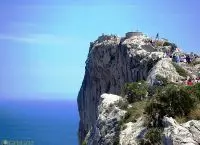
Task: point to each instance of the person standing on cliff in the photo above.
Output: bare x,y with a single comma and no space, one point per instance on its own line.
188,59
157,36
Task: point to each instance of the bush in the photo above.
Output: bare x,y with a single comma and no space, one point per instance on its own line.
84,143
177,100
180,70
195,113
135,91
181,119
158,43
163,80
180,102
166,43
134,112
196,91
123,104
153,90
152,137
173,101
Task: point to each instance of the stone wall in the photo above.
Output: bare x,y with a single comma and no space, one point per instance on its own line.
131,34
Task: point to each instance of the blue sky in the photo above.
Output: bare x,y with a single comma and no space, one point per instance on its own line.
44,44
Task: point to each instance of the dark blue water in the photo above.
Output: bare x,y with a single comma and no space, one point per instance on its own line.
44,122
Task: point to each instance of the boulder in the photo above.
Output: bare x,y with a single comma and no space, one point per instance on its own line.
181,134
133,132
165,69
106,129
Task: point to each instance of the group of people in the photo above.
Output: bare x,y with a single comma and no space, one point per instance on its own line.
176,57
174,52
191,81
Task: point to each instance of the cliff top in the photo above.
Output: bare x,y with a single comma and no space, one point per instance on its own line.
132,39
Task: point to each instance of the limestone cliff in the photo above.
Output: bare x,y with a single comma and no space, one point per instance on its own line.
106,128
113,61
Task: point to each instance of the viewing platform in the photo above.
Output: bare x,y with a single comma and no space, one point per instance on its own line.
132,34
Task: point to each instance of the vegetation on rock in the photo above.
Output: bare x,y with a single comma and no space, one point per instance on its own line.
177,101
163,80
84,143
122,104
152,137
135,91
173,101
134,112
180,70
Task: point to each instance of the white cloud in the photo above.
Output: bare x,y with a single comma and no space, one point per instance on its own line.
37,38
16,38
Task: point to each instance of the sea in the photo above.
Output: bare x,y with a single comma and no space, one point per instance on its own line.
38,122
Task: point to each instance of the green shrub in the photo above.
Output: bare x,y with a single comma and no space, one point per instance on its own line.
180,102
153,90
172,100
180,70
177,100
166,43
195,113
181,119
195,91
134,112
152,137
123,104
163,80
158,43
135,91
84,143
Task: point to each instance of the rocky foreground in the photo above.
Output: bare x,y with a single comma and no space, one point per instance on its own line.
105,129
113,61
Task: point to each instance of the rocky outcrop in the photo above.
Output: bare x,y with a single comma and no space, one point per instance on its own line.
181,134
112,61
106,129
165,69
133,132
191,70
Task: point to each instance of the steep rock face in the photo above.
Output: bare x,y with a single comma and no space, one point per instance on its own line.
181,134
111,62
106,127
